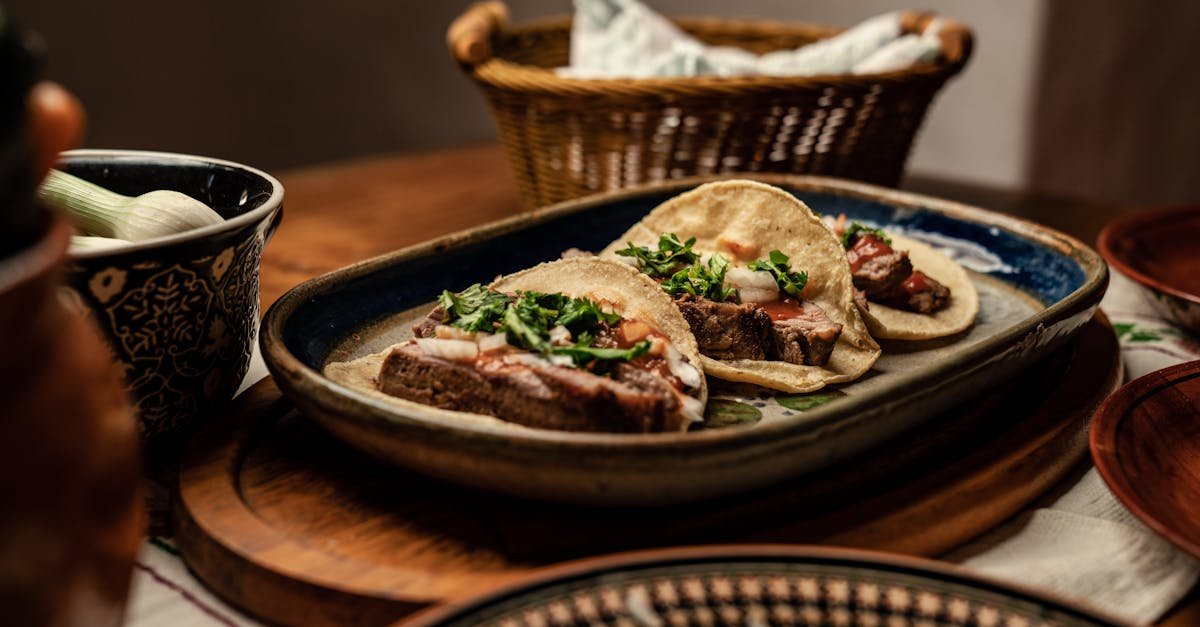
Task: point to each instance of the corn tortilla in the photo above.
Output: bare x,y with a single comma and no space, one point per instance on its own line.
897,324
630,293
745,221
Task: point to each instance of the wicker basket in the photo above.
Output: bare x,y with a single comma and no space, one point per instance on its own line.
570,137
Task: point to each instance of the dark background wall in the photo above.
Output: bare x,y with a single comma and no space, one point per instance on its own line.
1079,97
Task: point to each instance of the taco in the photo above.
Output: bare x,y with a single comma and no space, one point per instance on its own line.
911,291
762,281
577,344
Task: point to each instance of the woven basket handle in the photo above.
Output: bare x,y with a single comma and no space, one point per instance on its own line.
470,34
957,40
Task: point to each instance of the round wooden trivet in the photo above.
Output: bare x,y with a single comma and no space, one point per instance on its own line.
289,524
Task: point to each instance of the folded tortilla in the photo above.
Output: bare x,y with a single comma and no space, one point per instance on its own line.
619,286
745,221
897,324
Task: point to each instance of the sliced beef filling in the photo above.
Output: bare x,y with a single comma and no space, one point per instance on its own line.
921,294
806,339
533,394
886,276
427,326
796,333
727,330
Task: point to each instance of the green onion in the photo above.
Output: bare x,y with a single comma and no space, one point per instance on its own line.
98,211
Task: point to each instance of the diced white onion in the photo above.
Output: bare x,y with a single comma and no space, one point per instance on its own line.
753,286
658,346
687,373
691,408
561,360
525,358
560,336
447,332
755,295
629,260
489,342
454,350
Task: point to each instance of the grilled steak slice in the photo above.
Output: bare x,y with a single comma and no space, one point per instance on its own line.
807,339
922,294
529,393
727,330
427,325
878,270
886,276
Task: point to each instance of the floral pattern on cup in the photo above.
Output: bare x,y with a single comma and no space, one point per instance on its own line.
183,329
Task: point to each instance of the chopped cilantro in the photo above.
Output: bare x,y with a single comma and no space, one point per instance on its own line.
671,257
474,309
789,282
581,315
527,319
707,280
583,354
857,229
528,324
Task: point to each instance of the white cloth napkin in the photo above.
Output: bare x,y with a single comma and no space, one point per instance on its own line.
626,39
1084,544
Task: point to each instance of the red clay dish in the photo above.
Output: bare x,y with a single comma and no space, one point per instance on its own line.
1158,250
1145,441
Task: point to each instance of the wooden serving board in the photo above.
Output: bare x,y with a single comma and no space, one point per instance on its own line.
289,524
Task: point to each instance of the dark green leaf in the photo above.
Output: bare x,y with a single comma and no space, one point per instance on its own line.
580,315
672,255
707,280
855,230
789,282
805,402
583,354
726,413
474,309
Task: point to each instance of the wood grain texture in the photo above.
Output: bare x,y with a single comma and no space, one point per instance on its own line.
343,213
1146,444
336,215
282,520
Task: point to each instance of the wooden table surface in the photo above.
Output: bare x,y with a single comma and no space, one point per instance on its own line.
338,214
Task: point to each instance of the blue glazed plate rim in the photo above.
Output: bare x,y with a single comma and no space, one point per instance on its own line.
352,405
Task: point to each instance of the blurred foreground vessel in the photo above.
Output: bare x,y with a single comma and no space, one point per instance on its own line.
70,516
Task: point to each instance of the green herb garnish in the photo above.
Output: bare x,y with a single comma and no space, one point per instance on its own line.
671,257
475,308
789,282
527,319
583,355
707,280
857,229
581,315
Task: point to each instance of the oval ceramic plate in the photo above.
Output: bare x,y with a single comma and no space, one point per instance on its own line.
758,585
1036,287
1157,249
1145,440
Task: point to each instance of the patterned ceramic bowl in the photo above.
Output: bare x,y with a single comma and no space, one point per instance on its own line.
180,312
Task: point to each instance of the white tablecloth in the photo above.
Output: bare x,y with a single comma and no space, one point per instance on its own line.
1082,543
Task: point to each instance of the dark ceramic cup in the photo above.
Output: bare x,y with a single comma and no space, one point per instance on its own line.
180,312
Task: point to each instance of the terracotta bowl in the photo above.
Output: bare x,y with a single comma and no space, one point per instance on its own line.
180,312
1157,250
